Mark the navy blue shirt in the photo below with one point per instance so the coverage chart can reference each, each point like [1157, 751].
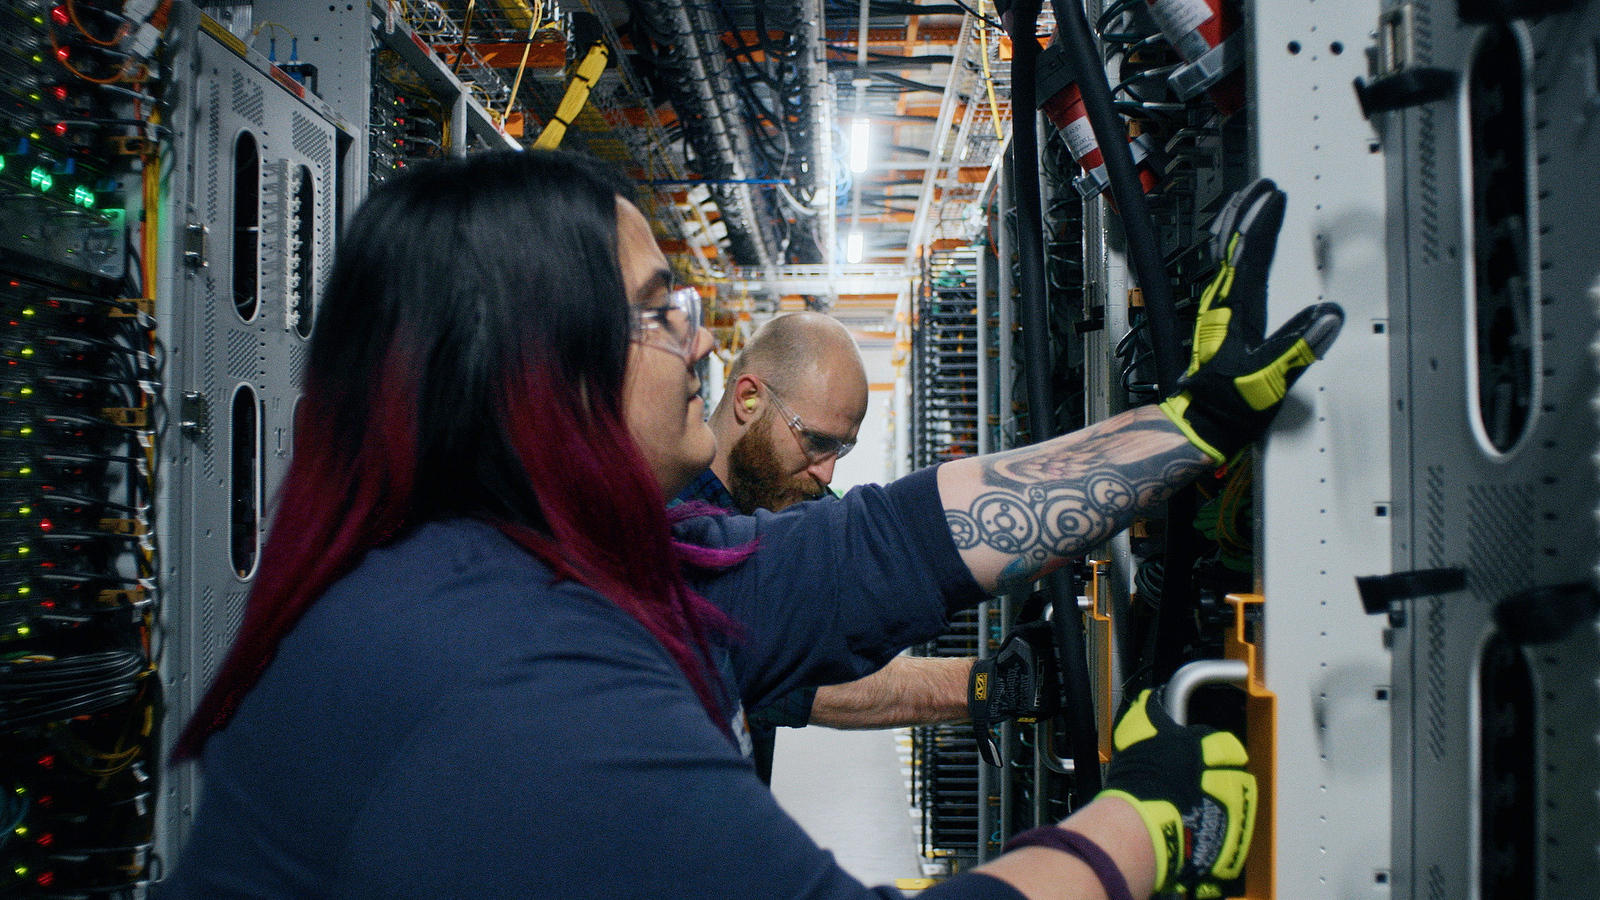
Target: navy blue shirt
[792, 709]
[448, 721]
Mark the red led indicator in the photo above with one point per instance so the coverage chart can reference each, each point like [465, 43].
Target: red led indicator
[60, 128]
[60, 91]
[59, 15]
[63, 53]
[46, 525]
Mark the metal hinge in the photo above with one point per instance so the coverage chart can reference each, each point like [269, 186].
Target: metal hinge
[1394, 50]
[194, 245]
[194, 413]
[1397, 82]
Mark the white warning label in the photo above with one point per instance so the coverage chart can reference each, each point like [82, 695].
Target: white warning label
[1179, 17]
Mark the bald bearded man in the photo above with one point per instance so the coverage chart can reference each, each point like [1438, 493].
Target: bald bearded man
[794, 402]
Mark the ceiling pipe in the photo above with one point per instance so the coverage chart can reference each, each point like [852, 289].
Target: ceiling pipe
[710, 99]
[938, 165]
[820, 106]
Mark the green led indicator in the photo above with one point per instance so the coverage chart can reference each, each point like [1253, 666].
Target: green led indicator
[40, 179]
[28, 312]
[83, 197]
[2, 163]
[27, 351]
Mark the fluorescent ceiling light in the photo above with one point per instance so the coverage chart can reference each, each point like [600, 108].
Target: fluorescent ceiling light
[854, 246]
[860, 139]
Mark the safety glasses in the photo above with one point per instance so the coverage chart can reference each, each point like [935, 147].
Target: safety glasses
[673, 326]
[816, 445]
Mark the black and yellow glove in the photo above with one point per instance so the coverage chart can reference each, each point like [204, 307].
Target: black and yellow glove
[1190, 787]
[1018, 682]
[1236, 379]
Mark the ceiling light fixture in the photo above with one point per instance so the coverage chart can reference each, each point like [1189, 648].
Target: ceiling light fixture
[855, 246]
[860, 143]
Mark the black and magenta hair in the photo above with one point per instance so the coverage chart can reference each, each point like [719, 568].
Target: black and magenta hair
[468, 360]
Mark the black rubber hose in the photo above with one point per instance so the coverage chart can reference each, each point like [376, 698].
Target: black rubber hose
[1175, 627]
[1071, 652]
[1034, 315]
[1144, 244]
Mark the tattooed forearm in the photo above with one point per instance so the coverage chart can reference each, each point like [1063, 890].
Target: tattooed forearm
[1016, 512]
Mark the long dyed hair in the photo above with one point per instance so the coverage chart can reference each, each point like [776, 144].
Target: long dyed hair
[468, 360]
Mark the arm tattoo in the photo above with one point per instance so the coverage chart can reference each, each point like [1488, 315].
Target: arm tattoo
[1042, 502]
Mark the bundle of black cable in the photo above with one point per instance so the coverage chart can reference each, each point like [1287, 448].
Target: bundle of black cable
[38, 688]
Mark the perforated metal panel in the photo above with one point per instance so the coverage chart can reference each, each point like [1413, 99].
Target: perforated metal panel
[1325, 486]
[217, 350]
[1508, 505]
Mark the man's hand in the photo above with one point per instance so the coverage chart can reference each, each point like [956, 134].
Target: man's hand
[1236, 379]
[1190, 787]
[1018, 682]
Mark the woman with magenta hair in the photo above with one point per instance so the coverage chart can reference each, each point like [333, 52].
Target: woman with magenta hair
[480, 661]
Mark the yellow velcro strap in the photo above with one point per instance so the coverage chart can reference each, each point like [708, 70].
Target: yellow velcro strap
[1174, 407]
[1236, 790]
[1265, 387]
[1221, 748]
[1165, 825]
[1135, 725]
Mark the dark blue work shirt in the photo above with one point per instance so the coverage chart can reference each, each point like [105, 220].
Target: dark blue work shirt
[449, 721]
[793, 709]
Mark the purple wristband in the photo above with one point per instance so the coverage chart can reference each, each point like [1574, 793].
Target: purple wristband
[1100, 862]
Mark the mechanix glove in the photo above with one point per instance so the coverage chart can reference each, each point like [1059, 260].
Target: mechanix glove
[1236, 378]
[1018, 682]
[1190, 787]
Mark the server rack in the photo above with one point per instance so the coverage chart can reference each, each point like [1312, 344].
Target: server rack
[945, 358]
[1496, 710]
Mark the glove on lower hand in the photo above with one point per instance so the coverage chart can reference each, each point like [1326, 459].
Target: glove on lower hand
[1190, 787]
[1018, 682]
[1236, 378]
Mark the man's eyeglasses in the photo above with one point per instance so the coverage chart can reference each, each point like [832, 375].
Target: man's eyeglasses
[673, 326]
[816, 445]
